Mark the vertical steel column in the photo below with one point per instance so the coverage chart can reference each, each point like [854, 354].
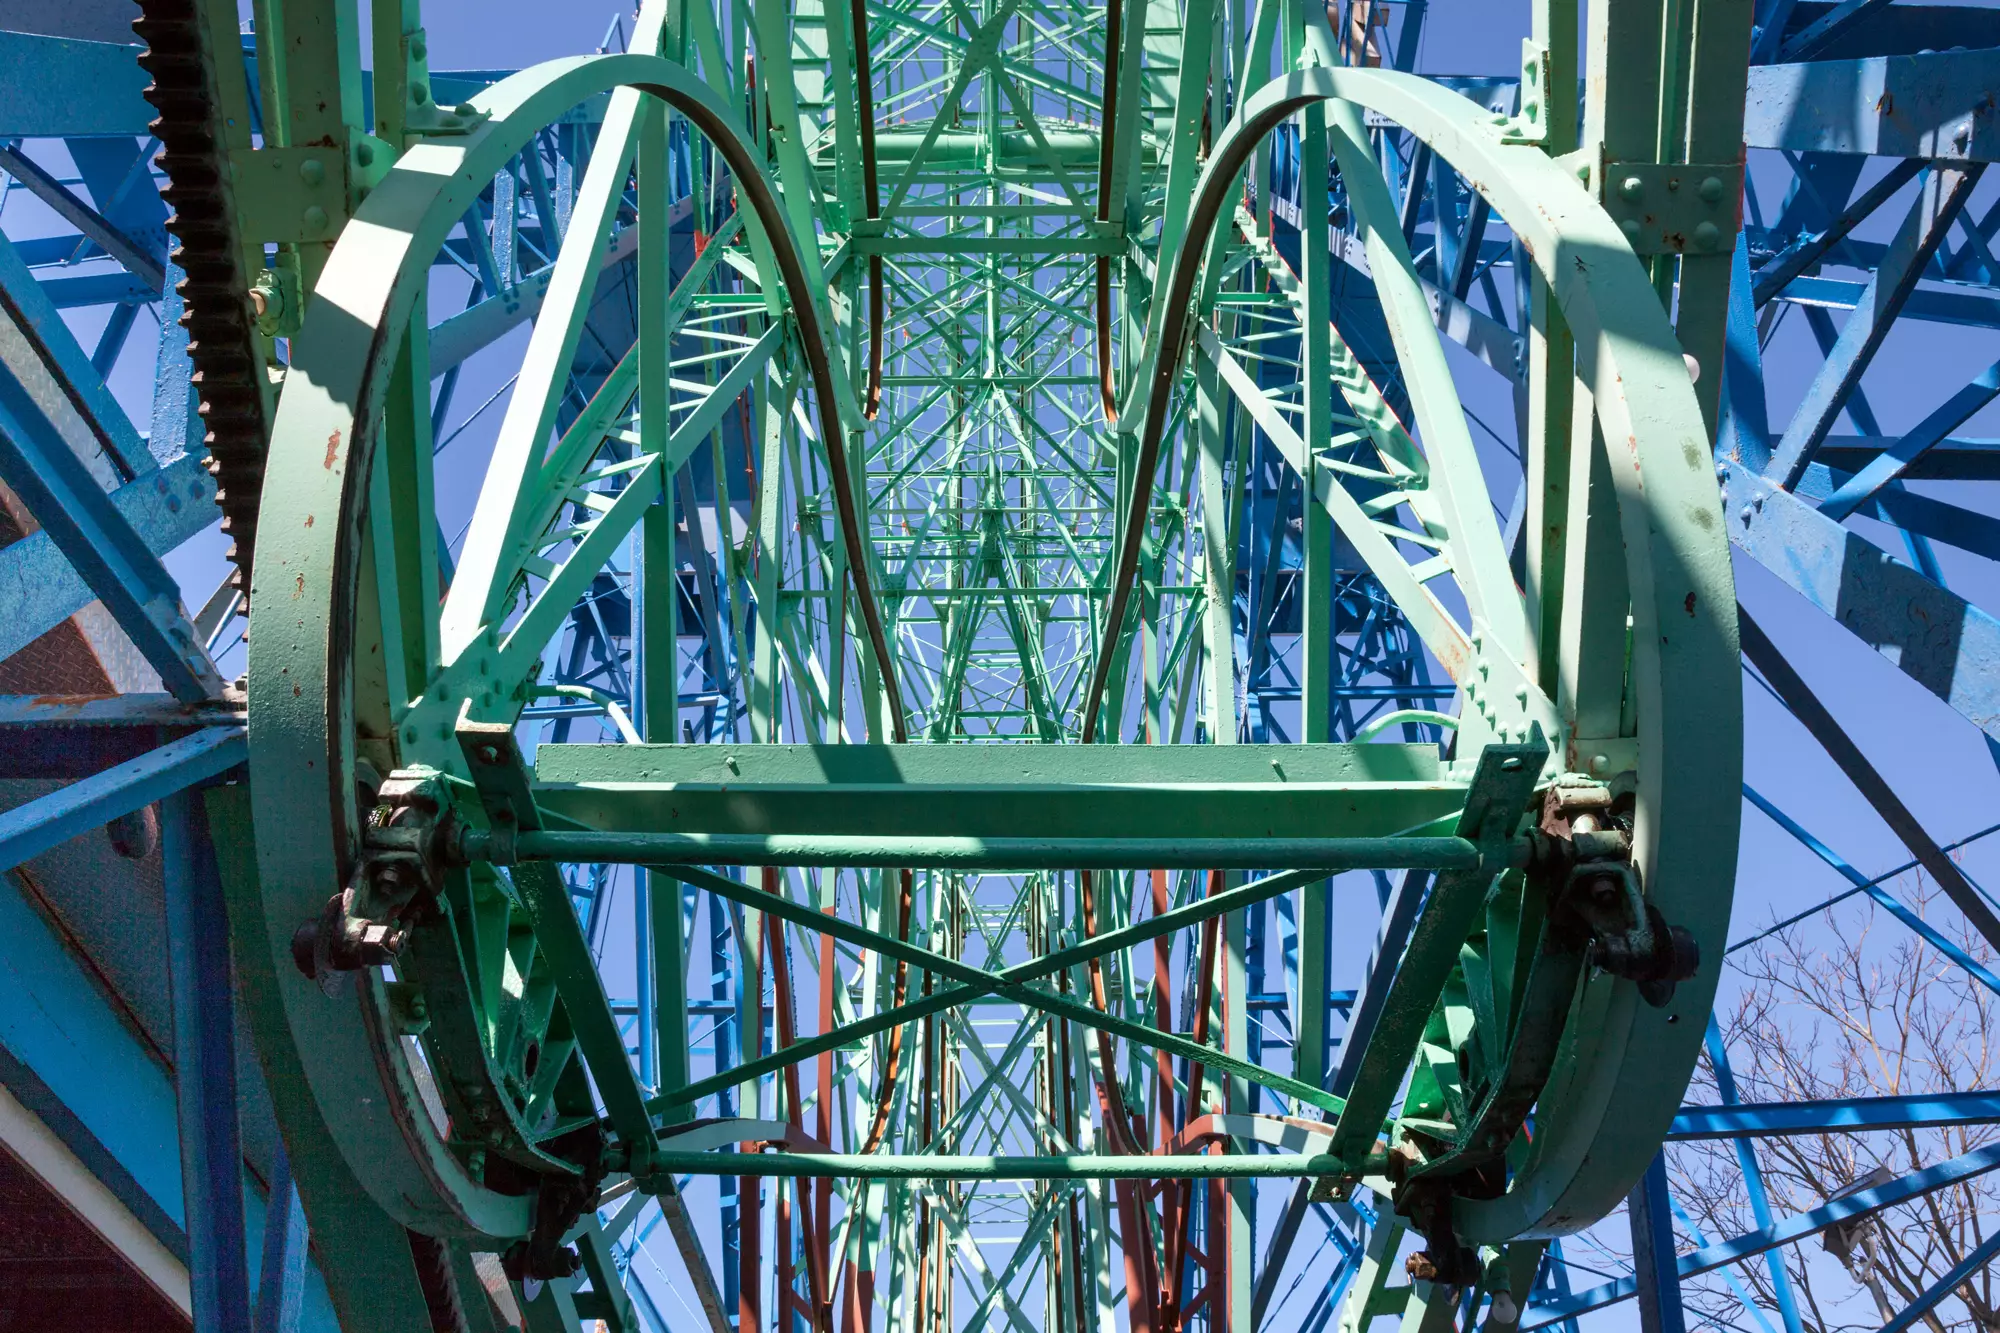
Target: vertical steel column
[1653, 1261]
[282, 1273]
[204, 1067]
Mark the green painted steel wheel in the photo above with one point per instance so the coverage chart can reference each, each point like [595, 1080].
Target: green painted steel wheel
[453, 1078]
[1647, 723]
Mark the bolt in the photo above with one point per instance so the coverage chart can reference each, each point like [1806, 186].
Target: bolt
[418, 1008]
[1604, 892]
[312, 171]
[489, 754]
[1632, 188]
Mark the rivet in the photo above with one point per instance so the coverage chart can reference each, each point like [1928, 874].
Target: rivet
[1632, 188]
[1707, 235]
[314, 219]
[1600, 764]
[420, 93]
[1630, 226]
[1711, 188]
[364, 152]
[312, 171]
[418, 50]
[1745, 513]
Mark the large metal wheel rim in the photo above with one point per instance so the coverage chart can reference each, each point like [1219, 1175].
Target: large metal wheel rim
[1627, 1063]
[302, 726]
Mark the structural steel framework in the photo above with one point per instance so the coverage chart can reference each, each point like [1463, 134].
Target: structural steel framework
[825, 600]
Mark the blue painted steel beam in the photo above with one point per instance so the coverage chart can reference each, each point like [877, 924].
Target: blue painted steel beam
[58, 365]
[60, 87]
[281, 1277]
[40, 588]
[1753, 1179]
[1848, 1208]
[1965, 1268]
[1807, 248]
[1941, 195]
[1792, 689]
[28, 830]
[1892, 462]
[95, 1079]
[136, 257]
[111, 556]
[204, 1066]
[1846, 1115]
[1936, 637]
[1972, 307]
[1922, 928]
[1958, 458]
[49, 736]
[1819, 34]
[1656, 1280]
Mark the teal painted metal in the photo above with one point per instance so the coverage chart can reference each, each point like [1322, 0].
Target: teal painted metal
[1035, 571]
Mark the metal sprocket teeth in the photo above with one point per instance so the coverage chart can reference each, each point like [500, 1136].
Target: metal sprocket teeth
[229, 378]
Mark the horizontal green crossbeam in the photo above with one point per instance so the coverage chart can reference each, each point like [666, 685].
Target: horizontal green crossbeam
[1053, 792]
[918, 1166]
[891, 853]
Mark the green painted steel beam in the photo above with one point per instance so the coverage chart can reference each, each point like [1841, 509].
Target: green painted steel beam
[967, 801]
[998, 853]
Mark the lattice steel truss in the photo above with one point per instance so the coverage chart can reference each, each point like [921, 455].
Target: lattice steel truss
[843, 595]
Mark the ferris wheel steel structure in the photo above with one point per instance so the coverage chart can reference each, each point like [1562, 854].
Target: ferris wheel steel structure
[971, 491]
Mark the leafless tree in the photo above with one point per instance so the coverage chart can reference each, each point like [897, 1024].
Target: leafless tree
[1850, 1003]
